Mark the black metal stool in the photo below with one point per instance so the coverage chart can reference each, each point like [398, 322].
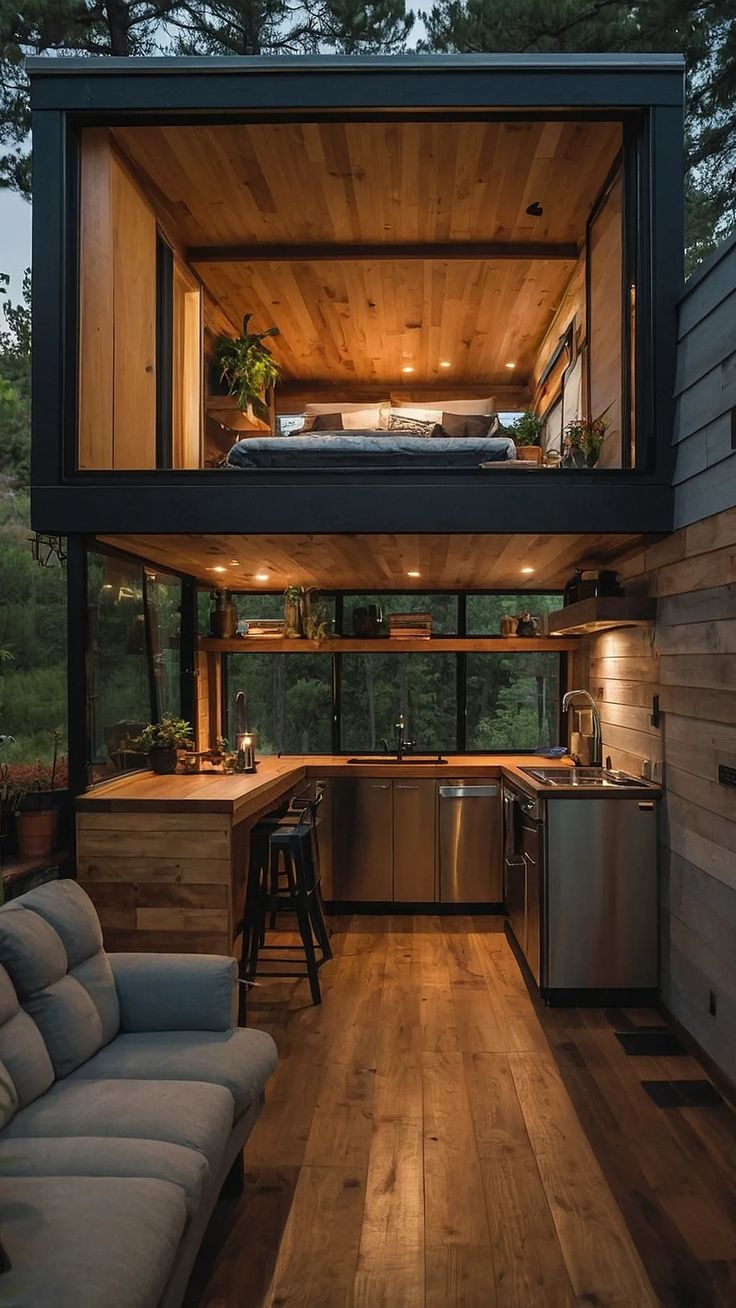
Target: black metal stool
[283, 877]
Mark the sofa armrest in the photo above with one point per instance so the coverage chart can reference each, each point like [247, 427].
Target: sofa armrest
[175, 992]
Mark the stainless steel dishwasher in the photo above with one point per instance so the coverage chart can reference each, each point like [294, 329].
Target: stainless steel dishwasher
[470, 828]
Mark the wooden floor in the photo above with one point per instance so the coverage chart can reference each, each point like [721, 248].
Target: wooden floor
[433, 1137]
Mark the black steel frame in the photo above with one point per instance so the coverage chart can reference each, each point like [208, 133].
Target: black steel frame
[164, 352]
[647, 95]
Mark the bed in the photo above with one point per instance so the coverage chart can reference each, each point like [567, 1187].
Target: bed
[369, 448]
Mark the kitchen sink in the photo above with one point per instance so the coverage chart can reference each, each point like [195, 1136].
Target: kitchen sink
[603, 777]
[392, 760]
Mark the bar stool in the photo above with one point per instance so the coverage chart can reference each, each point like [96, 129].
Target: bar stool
[283, 877]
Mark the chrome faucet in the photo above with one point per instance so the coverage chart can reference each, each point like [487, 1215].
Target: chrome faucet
[597, 747]
[402, 746]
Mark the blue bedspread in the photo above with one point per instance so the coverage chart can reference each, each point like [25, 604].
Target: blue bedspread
[375, 449]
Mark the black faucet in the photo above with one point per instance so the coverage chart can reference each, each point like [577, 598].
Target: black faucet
[402, 746]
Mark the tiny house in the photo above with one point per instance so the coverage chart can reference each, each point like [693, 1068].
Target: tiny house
[452, 571]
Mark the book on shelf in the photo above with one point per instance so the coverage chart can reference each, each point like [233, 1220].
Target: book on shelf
[410, 626]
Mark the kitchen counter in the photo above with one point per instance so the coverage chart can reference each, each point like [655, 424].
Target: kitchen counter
[165, 858]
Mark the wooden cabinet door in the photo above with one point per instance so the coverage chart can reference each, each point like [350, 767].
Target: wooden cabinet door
[415, 841]
[362, 840]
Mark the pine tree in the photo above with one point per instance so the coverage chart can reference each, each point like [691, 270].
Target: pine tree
[705, 33]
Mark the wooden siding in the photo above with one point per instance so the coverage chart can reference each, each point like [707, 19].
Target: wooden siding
[705, 419]
[689, 659]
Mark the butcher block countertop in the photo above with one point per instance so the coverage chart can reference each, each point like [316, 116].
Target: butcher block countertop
[242, 795]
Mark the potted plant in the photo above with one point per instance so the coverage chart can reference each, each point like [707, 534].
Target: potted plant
[527, 431]
[583, 440]
[34, 793]
[245, 365]
[160, 741]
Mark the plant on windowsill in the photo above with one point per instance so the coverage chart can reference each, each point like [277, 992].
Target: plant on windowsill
[582, 442]
[34, 793]
[245, 365]
[161, 740]
[527, 431]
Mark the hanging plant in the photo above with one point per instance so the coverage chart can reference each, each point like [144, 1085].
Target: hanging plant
[246, 365]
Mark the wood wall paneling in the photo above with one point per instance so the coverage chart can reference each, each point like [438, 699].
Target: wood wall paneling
[187, 369]
[605, 326]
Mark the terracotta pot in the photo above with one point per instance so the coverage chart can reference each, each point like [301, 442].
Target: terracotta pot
[163, 760]
[530, 453]
[36, 832]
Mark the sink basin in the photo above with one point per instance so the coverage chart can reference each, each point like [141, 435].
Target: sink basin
[393, 761]
[604, 777]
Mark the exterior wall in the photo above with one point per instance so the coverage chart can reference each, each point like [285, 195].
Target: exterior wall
[705, 416]
[689, 660]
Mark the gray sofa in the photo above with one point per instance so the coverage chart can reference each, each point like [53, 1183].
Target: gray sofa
[127, 1096]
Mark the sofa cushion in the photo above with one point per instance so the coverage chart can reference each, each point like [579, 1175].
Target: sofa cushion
[51, 945]
[88, 1242]
[85, 1155]
[26, 1066]
[240, 1060]
[186, 1113]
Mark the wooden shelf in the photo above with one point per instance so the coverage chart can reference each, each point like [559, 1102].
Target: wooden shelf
[224, 409]
[603, 613]
[384, 645]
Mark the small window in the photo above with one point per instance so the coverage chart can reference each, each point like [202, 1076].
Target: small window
[377, 687]
[484, 612]
[288, 700]
[443, 609]
[513, 701]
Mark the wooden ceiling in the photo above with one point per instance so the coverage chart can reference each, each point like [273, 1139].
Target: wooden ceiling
[374, 181]
[381, 562]
[251, 202]
[364, 322]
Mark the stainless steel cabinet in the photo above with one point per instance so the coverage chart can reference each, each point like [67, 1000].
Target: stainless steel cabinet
[532, 856]
[362, 850]
[415, 841]
[470, 842]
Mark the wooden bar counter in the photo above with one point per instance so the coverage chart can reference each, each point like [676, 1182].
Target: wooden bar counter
[165, 858]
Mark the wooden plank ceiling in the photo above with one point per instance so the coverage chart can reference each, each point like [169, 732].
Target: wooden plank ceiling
[381, 562]
[368, 320]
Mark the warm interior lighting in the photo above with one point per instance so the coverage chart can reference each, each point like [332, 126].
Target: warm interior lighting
[413, 573]
[217, 568]
[235, 563]
[510, 365]
[527, 571]
[445, 363]
[408, 367]
[261, 576]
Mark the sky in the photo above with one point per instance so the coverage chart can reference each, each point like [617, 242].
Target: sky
[15, 239]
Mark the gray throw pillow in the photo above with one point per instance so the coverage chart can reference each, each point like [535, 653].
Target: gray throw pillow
[477, 425]
[413, 426]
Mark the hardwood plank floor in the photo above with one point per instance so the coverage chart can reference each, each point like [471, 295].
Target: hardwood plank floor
[435, 1138]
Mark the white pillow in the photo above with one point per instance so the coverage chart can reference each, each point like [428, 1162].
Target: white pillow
[411, 411]
[467, 406]
[354, 418]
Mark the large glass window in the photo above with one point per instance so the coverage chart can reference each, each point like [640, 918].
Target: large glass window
[513, 701]
[288, 700]
[134, 659]
[377, 687]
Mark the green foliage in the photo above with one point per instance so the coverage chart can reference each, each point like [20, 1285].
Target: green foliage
[583, 441]
[15, 389]
[246, 365]
[527, 428]
[704, 32]
[170, 733]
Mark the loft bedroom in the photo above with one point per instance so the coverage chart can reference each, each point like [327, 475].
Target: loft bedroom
[446, 293]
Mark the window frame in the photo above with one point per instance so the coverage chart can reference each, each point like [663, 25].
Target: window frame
[461, 669]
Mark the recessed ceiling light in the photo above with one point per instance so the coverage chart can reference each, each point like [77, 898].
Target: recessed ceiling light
[261, 576]
[527, 570]
[510, 365]
[217, 568]
[445, 363]
[407, 368]
[413, 573]
[235, 563]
